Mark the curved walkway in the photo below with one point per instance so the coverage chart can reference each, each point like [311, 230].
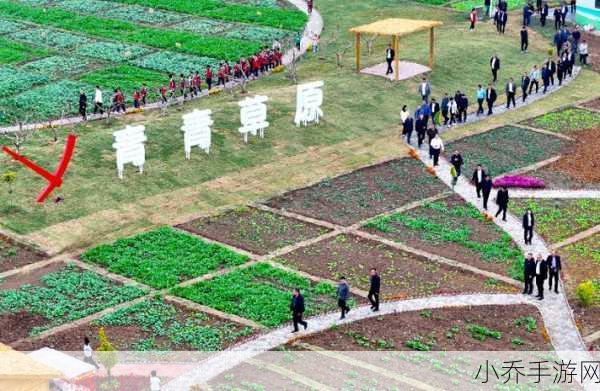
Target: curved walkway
[228, 359]
[314, 25]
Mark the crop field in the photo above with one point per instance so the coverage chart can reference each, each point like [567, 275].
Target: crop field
[54, 48]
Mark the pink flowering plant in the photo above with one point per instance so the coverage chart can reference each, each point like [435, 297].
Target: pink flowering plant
[519, 181]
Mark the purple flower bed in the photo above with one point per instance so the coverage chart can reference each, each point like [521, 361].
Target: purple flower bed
[524, 182]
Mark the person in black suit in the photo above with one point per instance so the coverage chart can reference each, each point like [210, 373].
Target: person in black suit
[457, 161]
[495, 66]
[477, 179]
[524, 39]
[554, 268]
[389, 57]
[297, 308]
[421, 128]
[486, 189]
[528, 223]
[408, 128]
[529, 273]
[541, 273]
[511, 91]
[544, 14]
[374, 287]
[502, 201]
[490, 98]
[525, 85]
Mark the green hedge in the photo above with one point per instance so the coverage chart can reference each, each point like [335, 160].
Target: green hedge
[222, 48]
[281, 18]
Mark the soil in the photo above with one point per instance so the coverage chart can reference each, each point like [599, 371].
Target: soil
[481, 232]
[251, 377]
[364, 193]
[31, 277]
[14, 255]
[17, 325]
[123, 338]
[436, 326]
[578, 168]
[594, 103]
[254, 230]
[402, 274]
[593, 49]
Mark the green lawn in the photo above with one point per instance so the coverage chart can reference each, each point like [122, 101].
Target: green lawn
[355, 107]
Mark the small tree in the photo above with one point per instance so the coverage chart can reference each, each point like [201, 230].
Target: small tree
[370, 41]
[9, 178]
[339, 53]
[106, 351]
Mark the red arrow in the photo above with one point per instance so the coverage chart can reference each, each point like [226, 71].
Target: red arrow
[54, 180]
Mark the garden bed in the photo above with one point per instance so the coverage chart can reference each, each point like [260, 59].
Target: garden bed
[163, 257]
[453, 229]
[581, 262]
[254, 230]
[559, 219]
[592, 104]
[253, 377]
[402, 274]
[47, 297]
[364, 193]
[261, 293]
[506, 149]
[566, 120]
[155, 324]
[578, 167]
[14, 255]
[12, 52]
[519, 327]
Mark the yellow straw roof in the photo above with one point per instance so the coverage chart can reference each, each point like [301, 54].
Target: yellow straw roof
[396, 26]
[16, 365]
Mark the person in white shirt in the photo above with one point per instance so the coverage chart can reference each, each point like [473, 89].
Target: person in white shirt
[154, 382]
[528, 223]
[87, 353]
[404, 114]
[425, 90]
[534, 75]
[436, 147]
[98, 101]
[583, 52]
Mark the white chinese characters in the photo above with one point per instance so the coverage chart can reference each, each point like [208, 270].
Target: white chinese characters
[309, 98]
[129, 144]
[196, 131]
[253, 116]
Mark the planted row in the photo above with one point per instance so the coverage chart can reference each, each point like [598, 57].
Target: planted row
[13, 52]
[222, 48]
[13, 81]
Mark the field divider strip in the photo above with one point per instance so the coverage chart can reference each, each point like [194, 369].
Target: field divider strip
[31, 267]
[84, 320]
[300, 217]
[531, 167]
[580, 105]
[544, 131]
[576, 238]
[370, 367]
[592, 337]
[437, 258]
[305, 243]
[295, 377]
[210, 276]
[212, 311]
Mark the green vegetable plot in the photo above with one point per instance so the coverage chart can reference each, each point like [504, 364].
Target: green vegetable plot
[163, 258]
[261, 293]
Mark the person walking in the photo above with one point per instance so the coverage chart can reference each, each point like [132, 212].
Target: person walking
[554, 268]
[154, 381]
[502, 200]
[525, 81]
[463, 107]
[436, 147]
[494, 67]
[297, 308]
[408, 128]
[457, 161]
[136, 99]
[534, 76]
[431, 133]
[528, 223]
[557, 17]
[389, 58]
[477, 179]
[545, 78]
[445, 107]
[208, 75]
[421, 128]
[98, 101]
[490, 98]
[544, 14]
[472, 19]
[453, 108]
[143, 94]
[583, 52]
[434, 108]
[511, 91]
[343, 294]
[404, 114]
[87, 353]
[524, 39]
[83, 105]
[486, 190]
[529, 274]
[424, 90]
[526, 14]
[487, 4]
[480, 95]
[502, 20]
[374, 288]
[541, 274]
[453, 176]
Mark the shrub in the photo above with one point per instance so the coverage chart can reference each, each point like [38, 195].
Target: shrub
[518, 181]
[587, 293]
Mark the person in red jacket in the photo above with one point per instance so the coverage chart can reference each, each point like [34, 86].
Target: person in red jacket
[163, 94]
[473, 19]
[136, 99]
[208, 76]
[183, 86]
[221, 75]
[256, 65]
[143, 94]
[237, 70]
[227, 69]
[172, 86]
[197, 83]
[246, 68]
[278, 57]
[119, 101]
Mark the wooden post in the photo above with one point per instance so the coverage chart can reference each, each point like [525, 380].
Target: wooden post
[396, 41]
[357, 52]
[431, 40]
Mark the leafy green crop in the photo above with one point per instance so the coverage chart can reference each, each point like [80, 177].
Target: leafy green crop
[56, 67]
[51, 38]
[14, 52]
[163, 319]
[66, 295]
[528, 321]
[163, 257]
[481, 332]
[566, 120]
[13, 80]
[7, 26]
[261, 293]
[127, 78]
[175, 63]
[111, 51]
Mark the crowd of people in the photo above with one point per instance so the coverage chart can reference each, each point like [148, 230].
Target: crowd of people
[188, 85]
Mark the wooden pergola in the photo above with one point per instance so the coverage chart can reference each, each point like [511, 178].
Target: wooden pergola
[396, 28]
